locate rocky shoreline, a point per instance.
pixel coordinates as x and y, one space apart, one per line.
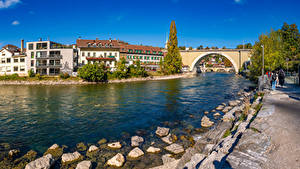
168 150
81 82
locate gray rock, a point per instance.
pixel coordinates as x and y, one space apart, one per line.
135 153
136 140
205 122
115 145
233 103
13 152
167 139
175 148
194 161
162 131
44 162
68 157
117 161
53 147
167 158
84 165
220 107
93 148
153 150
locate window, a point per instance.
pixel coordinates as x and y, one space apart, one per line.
8 60
30 46
22 60
105 55
8 69
141 57
110 54
2 60
41 46
16 60
41 54
88 54
32 54
116 54
32 63
16 68
94 54
145 57
22 69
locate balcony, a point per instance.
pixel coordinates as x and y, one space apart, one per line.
50 57
49 65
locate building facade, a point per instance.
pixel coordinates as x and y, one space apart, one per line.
110 51
50 58
148 56
13 61
98 51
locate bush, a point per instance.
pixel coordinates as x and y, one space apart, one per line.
31 73
93 72
39 76
64 75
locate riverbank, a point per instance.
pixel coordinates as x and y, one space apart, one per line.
81 82
164 147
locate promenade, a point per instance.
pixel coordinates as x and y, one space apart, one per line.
272 140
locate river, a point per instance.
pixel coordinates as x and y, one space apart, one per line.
35 117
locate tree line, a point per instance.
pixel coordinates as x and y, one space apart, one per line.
281 50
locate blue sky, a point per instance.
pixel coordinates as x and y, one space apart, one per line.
199 22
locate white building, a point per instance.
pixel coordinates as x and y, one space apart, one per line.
50 58
13 60
98 51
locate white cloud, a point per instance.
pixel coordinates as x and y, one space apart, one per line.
8 3
15 23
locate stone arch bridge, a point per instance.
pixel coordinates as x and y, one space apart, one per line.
237 57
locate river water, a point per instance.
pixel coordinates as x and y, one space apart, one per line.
35 117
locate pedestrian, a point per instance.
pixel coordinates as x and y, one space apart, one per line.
277 80
281 77
273 80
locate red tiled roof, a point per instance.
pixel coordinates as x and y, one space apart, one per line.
94 58
124 46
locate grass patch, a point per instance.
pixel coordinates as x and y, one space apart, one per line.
255 129
242 117
227 133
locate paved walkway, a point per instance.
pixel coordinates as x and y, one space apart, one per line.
284 128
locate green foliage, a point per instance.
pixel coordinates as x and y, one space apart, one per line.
39 76
136 70
121 71
172 62
200 47
64 75
14 76
245 46
279 46
227 133
182 47
93 72
31 73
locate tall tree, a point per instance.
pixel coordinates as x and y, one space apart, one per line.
291 40
172 61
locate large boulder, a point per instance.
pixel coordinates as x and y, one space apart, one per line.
175 148
135 153
168 139
53 147
205 122
117 161
136 140
115 145
44 162
69 157
220 107
162 131
84 165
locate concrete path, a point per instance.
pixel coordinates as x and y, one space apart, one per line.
284 128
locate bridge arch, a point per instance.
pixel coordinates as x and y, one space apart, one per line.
211 53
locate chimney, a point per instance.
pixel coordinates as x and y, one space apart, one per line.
22 46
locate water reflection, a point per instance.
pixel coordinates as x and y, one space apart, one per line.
35 117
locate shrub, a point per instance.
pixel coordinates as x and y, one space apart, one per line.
93 72
31 73
64 75
39 76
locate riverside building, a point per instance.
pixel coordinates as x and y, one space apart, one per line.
51 58
110 51
13 60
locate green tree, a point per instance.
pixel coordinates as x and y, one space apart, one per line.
93 72
136 70
190 48
182 47
200 47
172 61
291 40
121 71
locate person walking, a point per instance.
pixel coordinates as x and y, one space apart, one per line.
281 77
273 80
